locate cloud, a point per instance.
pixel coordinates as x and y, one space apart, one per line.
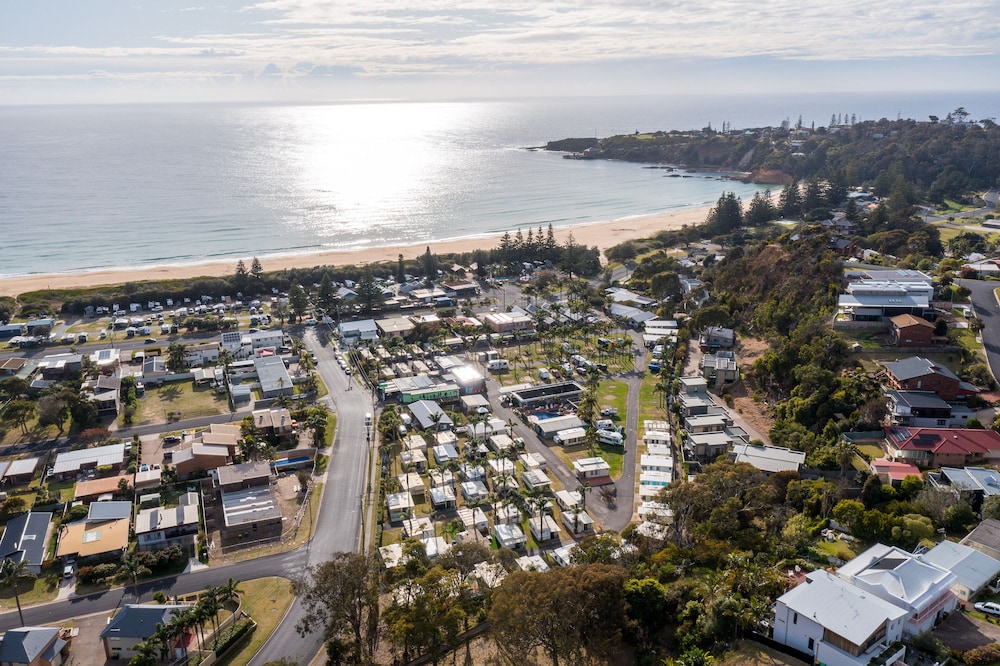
465 39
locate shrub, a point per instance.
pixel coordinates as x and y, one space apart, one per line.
97 573
76 513
982 655
232 634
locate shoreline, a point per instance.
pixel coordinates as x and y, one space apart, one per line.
601 234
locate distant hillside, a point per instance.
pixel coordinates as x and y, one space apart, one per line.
938 159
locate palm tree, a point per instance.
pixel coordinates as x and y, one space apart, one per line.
161 638
10 572
132 568
231 589
145 653
583 489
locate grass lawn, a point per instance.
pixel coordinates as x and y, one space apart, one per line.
30 590
870 451
748 653
859 463
181 397
967 340
650 402
612 393
837 549
614 456
266 600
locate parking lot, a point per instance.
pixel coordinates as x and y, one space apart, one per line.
964 632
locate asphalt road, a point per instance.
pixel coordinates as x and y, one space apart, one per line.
985 304
338 527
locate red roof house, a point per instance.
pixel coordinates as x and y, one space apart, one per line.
942 447
891 472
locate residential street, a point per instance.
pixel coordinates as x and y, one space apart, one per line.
985 303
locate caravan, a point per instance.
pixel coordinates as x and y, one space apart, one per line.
610 437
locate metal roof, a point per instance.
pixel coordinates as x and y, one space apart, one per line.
71 461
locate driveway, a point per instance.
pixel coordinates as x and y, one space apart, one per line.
964 632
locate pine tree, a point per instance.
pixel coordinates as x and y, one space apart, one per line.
790 201
429 264
400 270
727 214
257 275
551 247
760 211
241 279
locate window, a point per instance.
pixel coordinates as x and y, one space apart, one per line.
795 618
811 643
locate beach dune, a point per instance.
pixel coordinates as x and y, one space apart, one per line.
600 234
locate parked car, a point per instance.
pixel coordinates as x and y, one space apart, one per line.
171 439
609 411
988 607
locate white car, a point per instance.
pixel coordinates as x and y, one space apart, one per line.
988 607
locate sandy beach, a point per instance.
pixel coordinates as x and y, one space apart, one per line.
601 234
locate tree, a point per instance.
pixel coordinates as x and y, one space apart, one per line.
176 357
567 612
340 597
790 201
241 278
369 293
19 411
429 265
132 567
298 300
256 276
991 507
327 298
53 410
10 573
726 216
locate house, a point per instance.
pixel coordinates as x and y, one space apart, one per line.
394 327
919 374
417 528
473 519
441 477
844 247
656 463
972 484
633 317
547 428
619 295
708 445
702 423
68 463
973 569
26 538
106 487
941 447
578 522
509 536
99 512
400 506
352 332
909 330
543 527
443 497
444 454
411 483
474 491
651 483
21 471
93 542
59 366
880 295
273 376
924 409
985 538
535 478
920 588
769 459
532 563
274 422
835 622
591 468
716 337
893 473
428 415
250 515
245 475
154 369
416 460
508 322
200 458
134 624
533 460
157 528
546 394
33 646
720 368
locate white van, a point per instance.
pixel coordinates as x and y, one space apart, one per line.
544 374
604 424
610 437
497 365
368 418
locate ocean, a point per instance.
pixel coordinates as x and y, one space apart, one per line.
86 188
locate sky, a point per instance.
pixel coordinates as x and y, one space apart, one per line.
67 51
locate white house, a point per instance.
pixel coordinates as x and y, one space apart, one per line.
921 588
509 536
973 570
836 622
591 468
